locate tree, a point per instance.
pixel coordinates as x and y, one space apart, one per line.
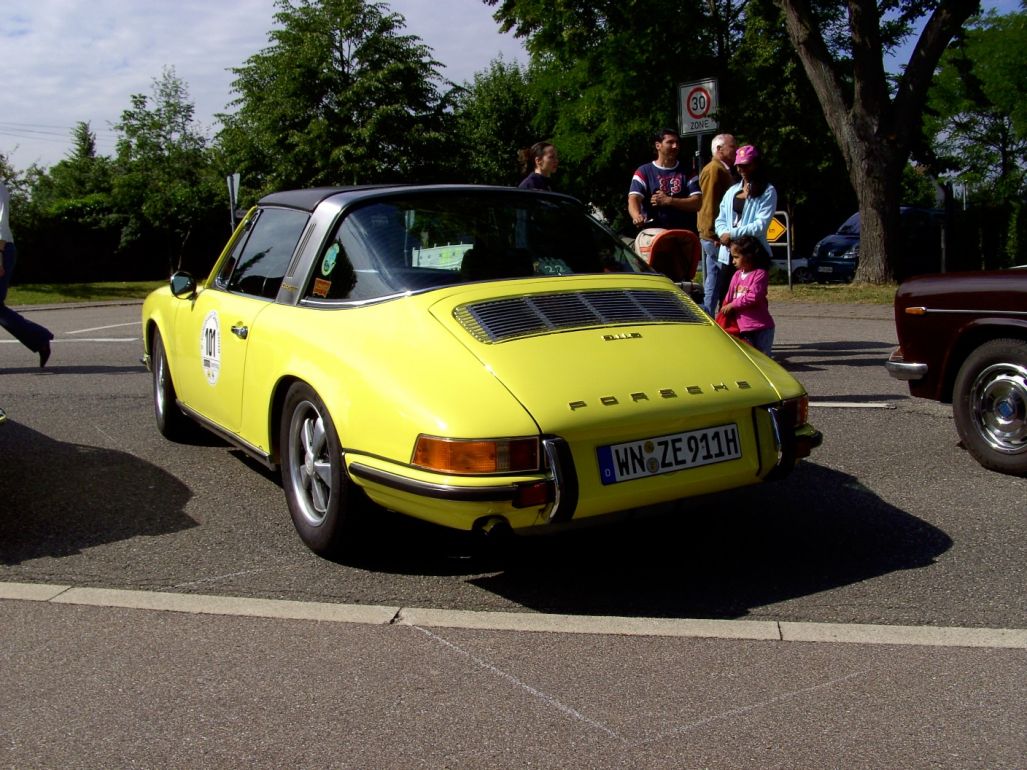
165 185
976 127
605 76
494 119
874 129
340 96
70 215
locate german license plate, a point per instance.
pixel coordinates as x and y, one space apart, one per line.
825 269
664 454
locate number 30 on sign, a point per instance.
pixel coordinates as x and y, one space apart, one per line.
697 106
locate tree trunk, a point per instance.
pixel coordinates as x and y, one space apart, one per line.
873 131
876 182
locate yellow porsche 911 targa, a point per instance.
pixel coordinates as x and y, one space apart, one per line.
471 356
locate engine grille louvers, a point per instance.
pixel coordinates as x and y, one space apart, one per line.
510 318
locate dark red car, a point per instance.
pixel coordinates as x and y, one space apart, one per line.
963 340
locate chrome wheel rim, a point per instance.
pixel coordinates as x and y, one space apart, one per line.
160 383
310 463
998 403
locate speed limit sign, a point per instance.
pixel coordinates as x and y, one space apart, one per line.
697 107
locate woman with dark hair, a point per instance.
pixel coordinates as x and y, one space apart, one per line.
747 207
539 162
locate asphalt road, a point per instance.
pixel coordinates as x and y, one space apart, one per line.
890 522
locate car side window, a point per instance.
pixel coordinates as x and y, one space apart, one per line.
260 259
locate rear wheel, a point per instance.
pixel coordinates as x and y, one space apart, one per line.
326 506
989 403
171 421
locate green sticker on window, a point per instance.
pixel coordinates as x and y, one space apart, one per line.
328 263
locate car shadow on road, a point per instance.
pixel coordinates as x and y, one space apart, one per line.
60 498
716 558
816 356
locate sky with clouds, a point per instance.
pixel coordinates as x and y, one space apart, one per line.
65 61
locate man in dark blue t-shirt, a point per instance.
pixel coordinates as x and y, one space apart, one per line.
662 194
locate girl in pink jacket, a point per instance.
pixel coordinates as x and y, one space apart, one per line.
746 298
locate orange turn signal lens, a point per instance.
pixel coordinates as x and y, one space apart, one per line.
476 456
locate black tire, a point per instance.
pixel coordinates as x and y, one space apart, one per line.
171 421
989 403
327 508
802 275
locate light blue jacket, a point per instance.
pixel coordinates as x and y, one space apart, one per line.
755 219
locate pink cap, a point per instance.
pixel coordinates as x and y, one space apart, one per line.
746 154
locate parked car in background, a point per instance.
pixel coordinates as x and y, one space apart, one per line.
963 340
836 257
800 269
475 357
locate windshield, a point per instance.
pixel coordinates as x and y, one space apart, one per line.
419 241
850 226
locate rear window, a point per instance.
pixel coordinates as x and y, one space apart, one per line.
420 241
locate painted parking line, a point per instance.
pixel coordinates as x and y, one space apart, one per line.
102 328
762 630
850 405
62 341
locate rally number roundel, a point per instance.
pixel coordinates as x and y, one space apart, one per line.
210 347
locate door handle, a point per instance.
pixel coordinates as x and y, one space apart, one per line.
242 332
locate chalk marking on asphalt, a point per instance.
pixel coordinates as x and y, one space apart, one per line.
746 709
850 405
538 622
62 341
101 328
216 578
547 699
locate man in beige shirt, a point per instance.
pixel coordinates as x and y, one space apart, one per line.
714 180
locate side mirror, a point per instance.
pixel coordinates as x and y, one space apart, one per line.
183 284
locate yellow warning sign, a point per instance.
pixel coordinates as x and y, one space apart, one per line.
776 230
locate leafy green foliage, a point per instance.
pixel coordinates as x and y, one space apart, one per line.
339 96
164 187
605 77
494 118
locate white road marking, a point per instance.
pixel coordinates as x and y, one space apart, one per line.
59 341
101 328
547 699
537 622
850 405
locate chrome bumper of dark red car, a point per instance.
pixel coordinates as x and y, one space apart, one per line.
901 369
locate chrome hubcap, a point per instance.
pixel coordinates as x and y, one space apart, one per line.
998 400
311 470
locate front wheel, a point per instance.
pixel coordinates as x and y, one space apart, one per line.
325 504
989 403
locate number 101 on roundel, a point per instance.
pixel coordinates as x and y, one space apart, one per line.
663 454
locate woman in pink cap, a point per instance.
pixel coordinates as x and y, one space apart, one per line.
747 207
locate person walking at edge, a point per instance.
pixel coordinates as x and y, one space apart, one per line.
33 336
714 180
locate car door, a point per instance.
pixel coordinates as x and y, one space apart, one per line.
213 333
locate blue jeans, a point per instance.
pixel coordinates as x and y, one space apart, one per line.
714 277
31 335
761 339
